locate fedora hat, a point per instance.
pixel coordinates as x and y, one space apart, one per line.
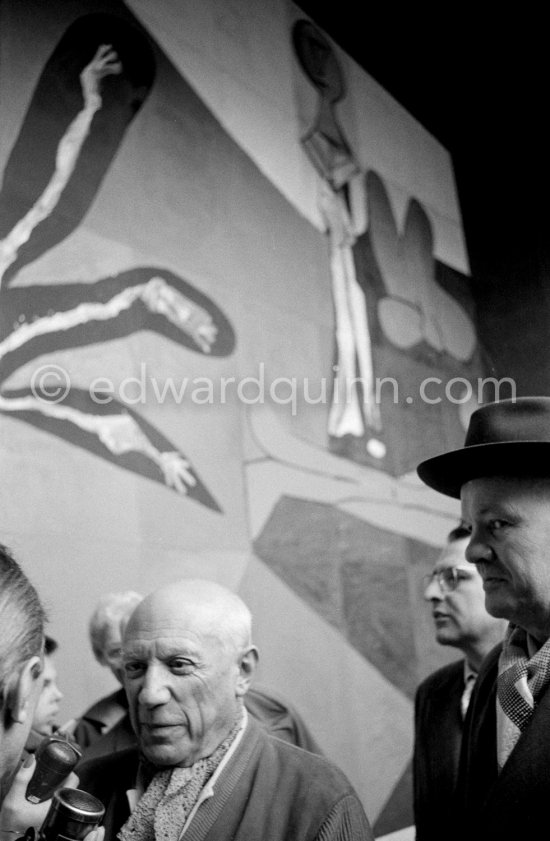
506 438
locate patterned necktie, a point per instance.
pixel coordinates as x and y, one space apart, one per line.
519 684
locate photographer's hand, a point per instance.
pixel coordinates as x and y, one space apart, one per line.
17 814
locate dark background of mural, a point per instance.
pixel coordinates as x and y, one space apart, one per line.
479 86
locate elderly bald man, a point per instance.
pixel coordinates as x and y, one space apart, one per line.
205 769
502 476
105 727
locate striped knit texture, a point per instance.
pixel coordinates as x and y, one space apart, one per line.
345 822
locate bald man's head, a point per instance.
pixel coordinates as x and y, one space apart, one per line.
188 663
211 605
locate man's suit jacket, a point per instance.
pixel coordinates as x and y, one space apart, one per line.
438 734
514 804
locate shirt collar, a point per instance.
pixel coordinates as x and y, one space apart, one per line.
469 672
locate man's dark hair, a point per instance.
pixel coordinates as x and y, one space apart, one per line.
22 620
458 533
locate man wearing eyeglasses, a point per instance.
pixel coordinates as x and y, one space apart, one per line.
455 592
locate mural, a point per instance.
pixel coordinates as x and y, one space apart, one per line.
175 175
414 341
94 83
385 289
327 148
334 534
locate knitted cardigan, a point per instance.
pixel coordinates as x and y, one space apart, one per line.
268 791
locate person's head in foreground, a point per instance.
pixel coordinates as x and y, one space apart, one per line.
455 592
188 662
47 707
106 627
21 643
502 476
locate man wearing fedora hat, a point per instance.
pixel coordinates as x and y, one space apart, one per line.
502 476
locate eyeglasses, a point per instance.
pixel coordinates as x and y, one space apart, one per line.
447 579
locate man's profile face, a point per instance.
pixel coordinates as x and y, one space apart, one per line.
47 707
459 615
15 737
510 545
180 682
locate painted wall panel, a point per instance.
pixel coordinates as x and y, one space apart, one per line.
173 221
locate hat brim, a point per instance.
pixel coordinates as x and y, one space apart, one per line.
448 472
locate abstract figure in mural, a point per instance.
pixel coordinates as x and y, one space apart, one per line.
91 88
415 308
331 155
410 310
324 142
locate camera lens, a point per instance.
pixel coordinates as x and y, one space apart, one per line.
72 814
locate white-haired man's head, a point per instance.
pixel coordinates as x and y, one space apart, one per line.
107 625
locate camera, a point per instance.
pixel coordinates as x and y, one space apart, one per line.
55 759
72 815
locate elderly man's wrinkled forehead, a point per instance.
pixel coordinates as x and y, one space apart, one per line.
481 495
192 607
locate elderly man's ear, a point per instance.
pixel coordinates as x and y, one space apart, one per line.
23 690
247 667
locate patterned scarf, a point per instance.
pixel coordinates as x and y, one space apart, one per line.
520 682
170 796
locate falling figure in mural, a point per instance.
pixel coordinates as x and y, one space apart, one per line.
352 410
415 309
104 63
49 318
348 412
